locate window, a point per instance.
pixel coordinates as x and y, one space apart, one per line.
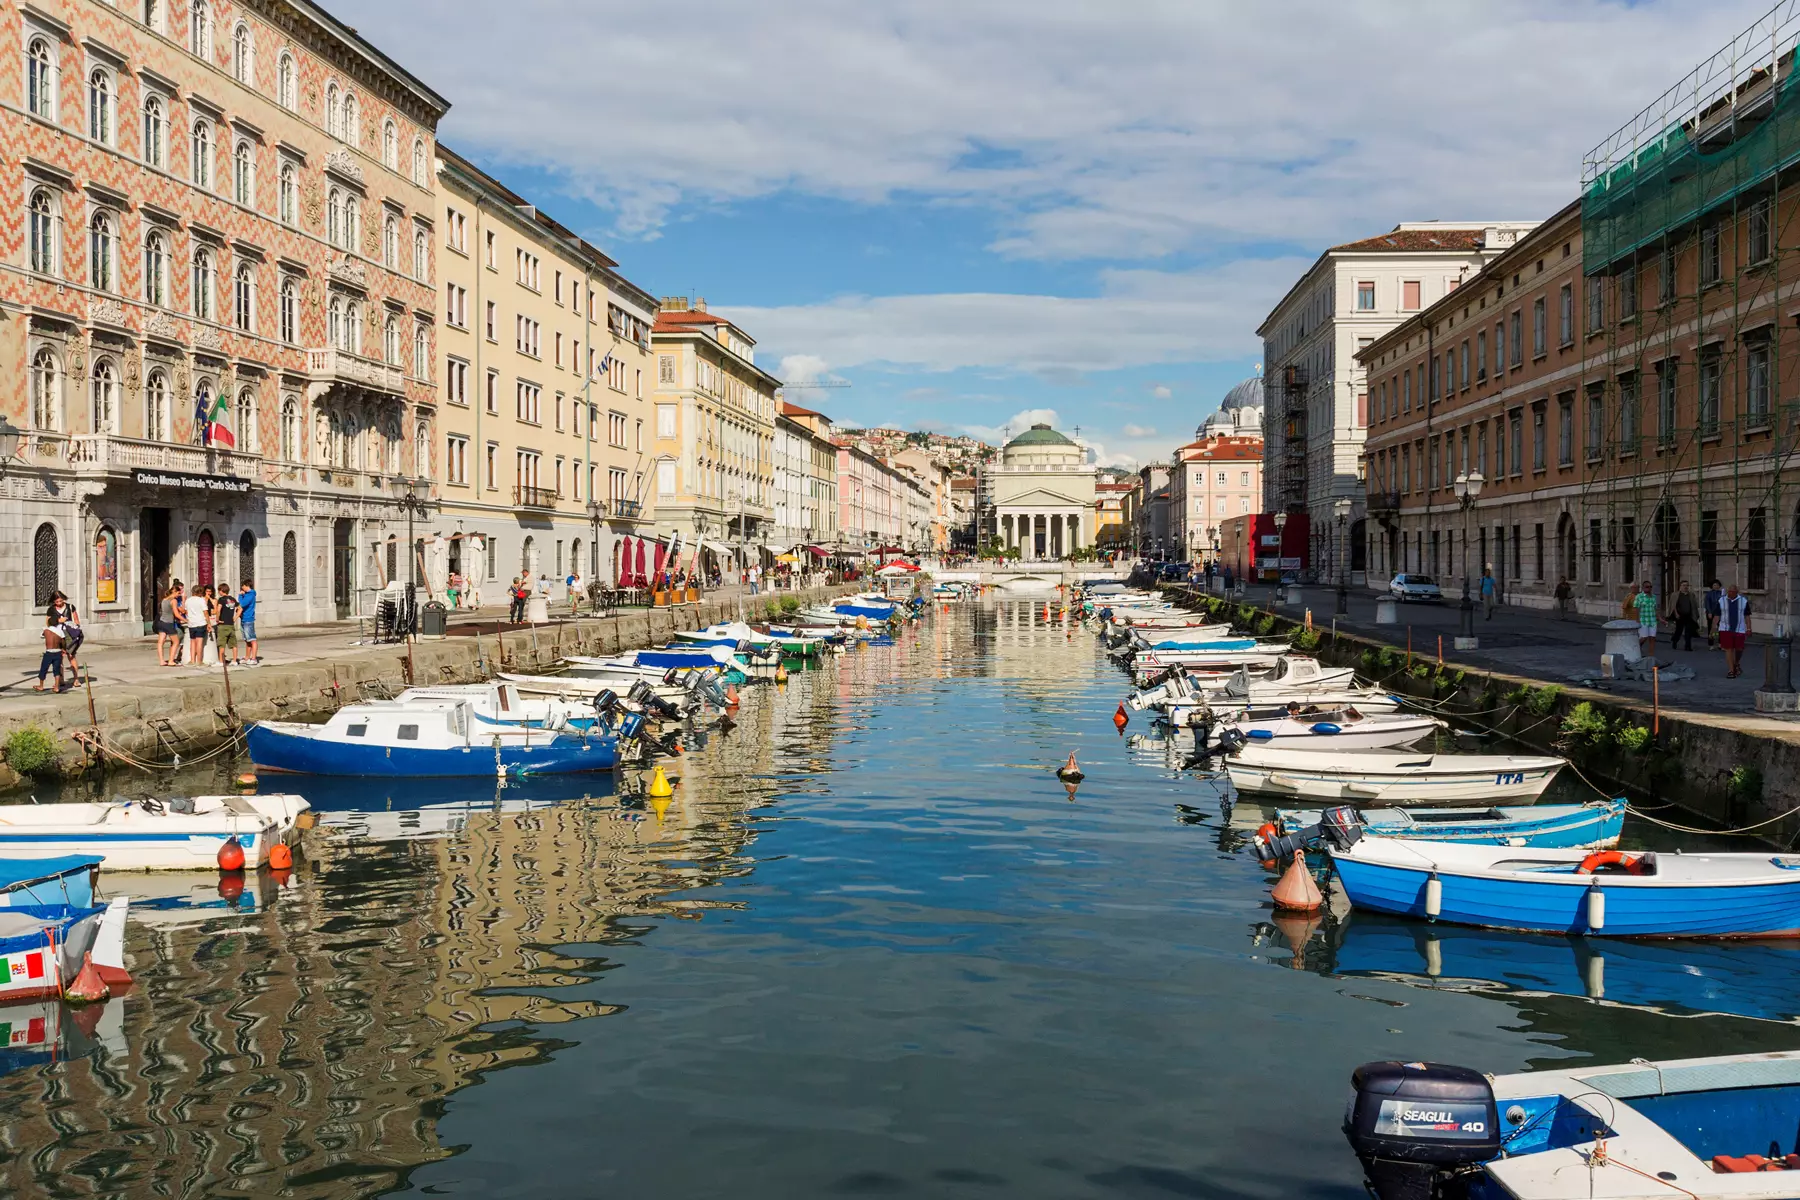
390 341
1756 383
421 351
1628 293
1409 295
526 401
1756 539
456 460
244 297
200 29
201 166
156 269
526 333
456 306
665 478
284 81
243 175
1464 364
456 381
205 285
1596 421
1711 259
1628 413
290 312
1539 328
665 420
390 146
491 473
352 222
290 566
244 422
422 450
100 106
615 374
156 132
352 131
390 242
615 430
103 246
1499 447
286 195
243 55
158 426
1711 372
492 249
1593 550
40 79
527 266
1665 402
334 217
1665 276
290 429
45 561
615 485
1761 243
493 321
493 392
105 395
418 162
421 256
334 111
1365 296
456 230
1537 437
46 392
559 353
1565 318
1516 342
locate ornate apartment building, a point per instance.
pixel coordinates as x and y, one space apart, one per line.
217 305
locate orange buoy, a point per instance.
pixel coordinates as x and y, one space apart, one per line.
231 886
1069 772
1295 891
1120 720
280 857
231 855
281 877
87 987
731 696
1298 930
246 780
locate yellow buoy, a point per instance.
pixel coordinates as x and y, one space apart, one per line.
660 806
659 786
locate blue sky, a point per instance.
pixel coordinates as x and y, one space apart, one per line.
981 213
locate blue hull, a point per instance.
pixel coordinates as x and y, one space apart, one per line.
1210 644
560 755
675 658
864 610
1558 904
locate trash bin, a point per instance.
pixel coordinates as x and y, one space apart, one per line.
434 619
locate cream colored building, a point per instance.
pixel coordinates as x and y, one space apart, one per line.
714 433
544 429
805 478
1042 493
934 478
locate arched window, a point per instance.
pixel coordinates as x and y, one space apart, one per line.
244 297
290 312
156 269
202 153
286 194
40 79
106 397
46 392
158 418
200 29
43 232
390 242
247 558
100 106
390 146
290 429
334 111
290 565
244 423
243 54
352 120
334 323
284 80
418 161
243 174
393 557
421 352
352 223
353 327
153 14
203 412
44 564
421 255
156 132
391 443
205 565
390 342
334 217
422 450
106 565
525 556
103 248
205 285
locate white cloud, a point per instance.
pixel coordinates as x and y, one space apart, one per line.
802 368
1014 425
1161 392
1138 431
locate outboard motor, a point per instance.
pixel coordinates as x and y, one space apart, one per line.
631 726
605 700
1421 1130
1342 826
1274 847
1231 740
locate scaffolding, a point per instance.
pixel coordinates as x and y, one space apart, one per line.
1686 215
1296 404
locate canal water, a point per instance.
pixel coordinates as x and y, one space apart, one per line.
873 947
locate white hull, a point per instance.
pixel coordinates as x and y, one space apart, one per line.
1386 779
129 836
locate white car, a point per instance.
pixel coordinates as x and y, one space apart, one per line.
1415 587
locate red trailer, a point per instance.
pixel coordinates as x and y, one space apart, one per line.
1255 549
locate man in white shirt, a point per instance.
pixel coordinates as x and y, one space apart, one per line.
195 607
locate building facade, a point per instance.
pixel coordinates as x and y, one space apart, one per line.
1212 478
218 348
1112 513
1152 511
1318 414
1042 493
805 478
933 476
870 511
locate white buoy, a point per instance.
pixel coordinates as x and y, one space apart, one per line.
1594 977
1434 957
1434 896
1596 909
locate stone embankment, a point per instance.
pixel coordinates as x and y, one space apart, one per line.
1712 766
190 714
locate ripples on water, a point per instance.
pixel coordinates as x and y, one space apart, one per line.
873 947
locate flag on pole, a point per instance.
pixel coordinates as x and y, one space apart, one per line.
218 431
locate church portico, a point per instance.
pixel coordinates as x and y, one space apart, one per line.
1042 496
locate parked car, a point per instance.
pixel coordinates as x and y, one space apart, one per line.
1415 587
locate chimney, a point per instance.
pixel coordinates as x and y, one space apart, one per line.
700 304
674 303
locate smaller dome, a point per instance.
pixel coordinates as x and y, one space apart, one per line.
1248 394
1040 435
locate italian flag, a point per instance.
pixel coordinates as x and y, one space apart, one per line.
218 433
21 968
30 1032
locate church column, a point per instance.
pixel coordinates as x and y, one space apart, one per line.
1056 536
1074 531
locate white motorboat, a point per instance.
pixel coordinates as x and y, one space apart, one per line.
1311 705
180 833
1370 777
502 704
686 694
1341 729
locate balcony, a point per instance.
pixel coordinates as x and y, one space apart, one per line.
103 454
526 496
330 366
1383 504
627 510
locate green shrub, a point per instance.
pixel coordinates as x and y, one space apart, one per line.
1266 626
1745 784
31 750
1542 700
1585 725
1390 659
790 604
1421 671
1635 738
1302 638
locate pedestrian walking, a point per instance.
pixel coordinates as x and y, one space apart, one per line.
226 628
52 662
1714 596
1687 610
1734 629
168 628
246 602
577 589
65 616
195 613
1645 605
1487 592
1564 603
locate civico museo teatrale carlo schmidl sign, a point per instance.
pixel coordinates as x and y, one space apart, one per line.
180 481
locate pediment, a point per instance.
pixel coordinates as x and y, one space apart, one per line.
1042 497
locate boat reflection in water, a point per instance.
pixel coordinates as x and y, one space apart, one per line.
1679 978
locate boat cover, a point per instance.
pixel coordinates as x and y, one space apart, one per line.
23 872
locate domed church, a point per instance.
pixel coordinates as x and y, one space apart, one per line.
1041 495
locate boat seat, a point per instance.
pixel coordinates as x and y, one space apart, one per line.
1729 1164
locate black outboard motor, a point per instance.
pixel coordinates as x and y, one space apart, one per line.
1231 739
1342 826
1421 1130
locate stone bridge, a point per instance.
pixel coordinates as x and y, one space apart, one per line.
1029 577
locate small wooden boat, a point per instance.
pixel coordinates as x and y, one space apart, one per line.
1373 777
1699 1128
1606 893
423 739
180 833
1592 826
49 922
1339 729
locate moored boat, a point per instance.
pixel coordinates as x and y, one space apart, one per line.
1592 826
148 833
49 924
1335 729
1374 777
423 739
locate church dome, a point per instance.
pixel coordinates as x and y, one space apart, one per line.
1248 394
1039 435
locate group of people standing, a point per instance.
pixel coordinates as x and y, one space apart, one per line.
1725 611
187 620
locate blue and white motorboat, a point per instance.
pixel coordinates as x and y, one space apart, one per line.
49 923
1606 893
148 833
654 664
424 739
1592 826
1335 729
1699 1128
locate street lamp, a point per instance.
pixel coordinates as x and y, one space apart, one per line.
414 505
1467 488
1343 507
596 510
1281 519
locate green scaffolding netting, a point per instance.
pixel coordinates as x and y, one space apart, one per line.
1673 181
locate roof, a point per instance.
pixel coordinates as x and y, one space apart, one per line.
667 320
1040 435
794 410
1248 394
1417 239
1223 449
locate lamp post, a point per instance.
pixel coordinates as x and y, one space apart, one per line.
1467 487
1281 519
596 510
1343 507
414 505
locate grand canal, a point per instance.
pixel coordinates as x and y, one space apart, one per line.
872 947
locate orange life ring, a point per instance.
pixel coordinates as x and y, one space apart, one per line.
1633 864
